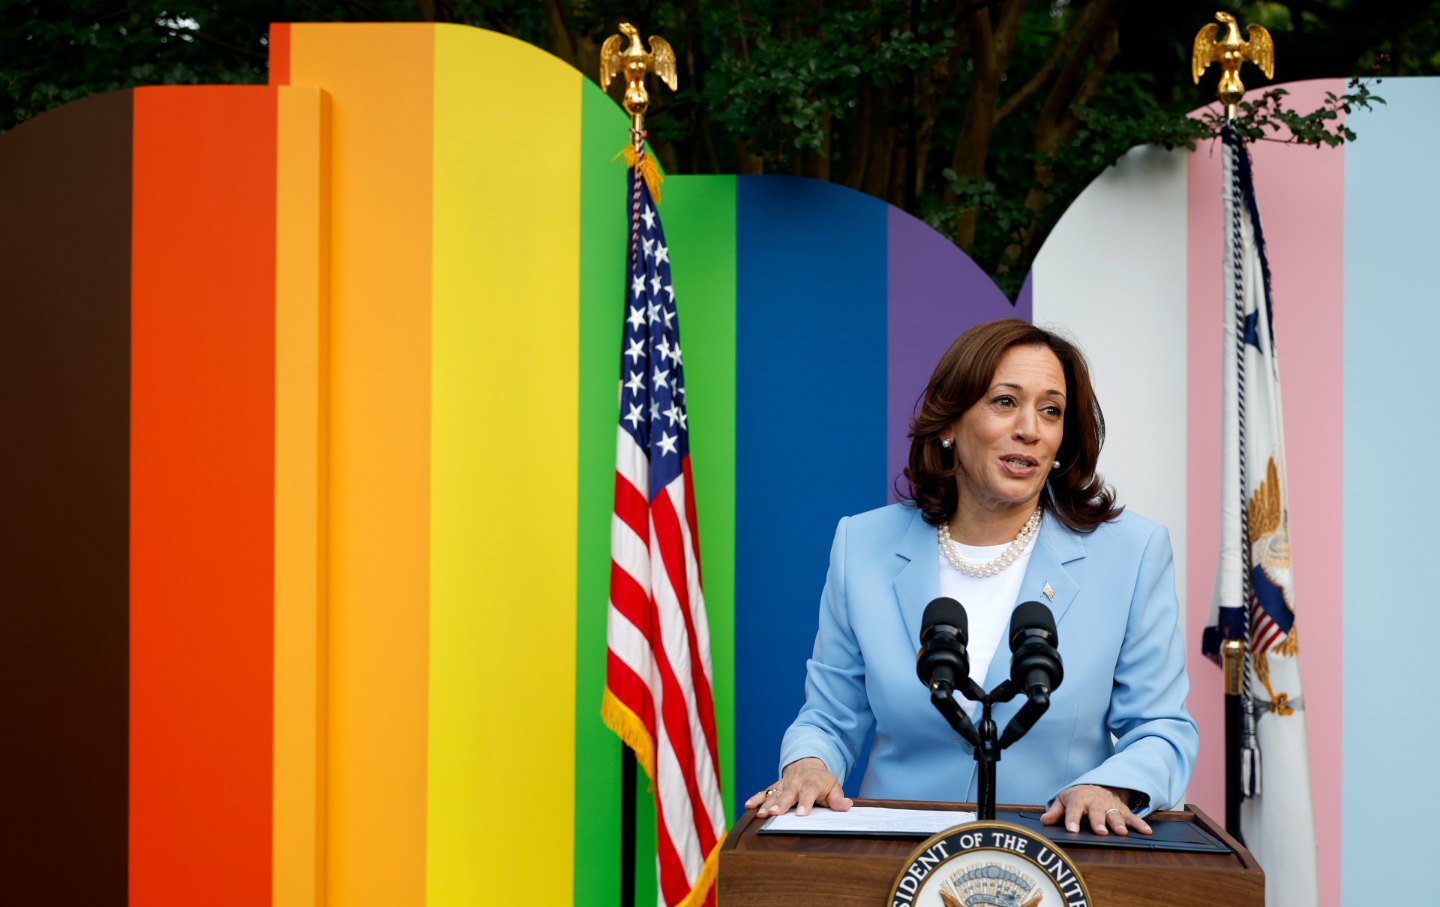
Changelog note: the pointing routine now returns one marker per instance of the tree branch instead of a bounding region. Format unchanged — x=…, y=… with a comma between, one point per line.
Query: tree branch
x=931, y=98
x=1094, y=22
x=199, y=35
x=991, y=46
x=1058, y=121
x=1042, y=75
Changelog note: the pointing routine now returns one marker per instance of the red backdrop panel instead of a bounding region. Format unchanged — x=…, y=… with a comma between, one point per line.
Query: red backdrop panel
x=201, y=484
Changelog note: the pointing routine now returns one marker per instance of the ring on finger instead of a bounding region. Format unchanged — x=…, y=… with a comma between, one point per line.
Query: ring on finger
x=773, y=791
x=1115, y=809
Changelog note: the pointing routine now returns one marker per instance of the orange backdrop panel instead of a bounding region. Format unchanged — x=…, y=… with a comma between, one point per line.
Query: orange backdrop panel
x=302, y=343
x=381, y=81
x=202, y=501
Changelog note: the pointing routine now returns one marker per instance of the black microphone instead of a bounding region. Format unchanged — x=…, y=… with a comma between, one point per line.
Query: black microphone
x=944, y=633
x=1035, y=665
x=943, y=664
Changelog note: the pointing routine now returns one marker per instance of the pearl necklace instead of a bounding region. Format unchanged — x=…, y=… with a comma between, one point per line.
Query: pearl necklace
x=991, y=567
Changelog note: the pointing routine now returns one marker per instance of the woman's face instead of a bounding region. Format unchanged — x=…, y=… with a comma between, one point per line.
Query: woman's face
x=1005, y=444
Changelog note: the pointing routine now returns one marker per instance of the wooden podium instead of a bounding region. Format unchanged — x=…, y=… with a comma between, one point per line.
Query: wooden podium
x=761, y=870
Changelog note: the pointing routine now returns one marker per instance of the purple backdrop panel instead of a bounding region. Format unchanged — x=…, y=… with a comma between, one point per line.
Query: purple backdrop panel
x=1023, y=307
x=936, y=293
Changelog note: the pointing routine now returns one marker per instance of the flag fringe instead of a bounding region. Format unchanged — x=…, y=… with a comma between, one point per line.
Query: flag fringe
x=631, y=730
x=697, y=894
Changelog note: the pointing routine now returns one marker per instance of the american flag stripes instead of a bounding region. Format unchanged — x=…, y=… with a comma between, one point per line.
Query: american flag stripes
x=658, y=679
x=1253, y=599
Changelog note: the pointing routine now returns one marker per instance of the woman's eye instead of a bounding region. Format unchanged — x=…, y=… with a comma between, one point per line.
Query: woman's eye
x=1054, y=412
x=1004, y=401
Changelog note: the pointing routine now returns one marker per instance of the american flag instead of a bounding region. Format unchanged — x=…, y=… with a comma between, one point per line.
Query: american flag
x=658, y=679
x=1254, y=597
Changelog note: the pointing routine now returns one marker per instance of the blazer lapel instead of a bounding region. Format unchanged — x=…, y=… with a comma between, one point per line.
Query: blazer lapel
x=918, y=582
x=1055, y=547
x=916, y=585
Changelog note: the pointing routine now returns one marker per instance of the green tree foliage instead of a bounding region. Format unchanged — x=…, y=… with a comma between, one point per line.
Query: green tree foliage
x=984, y=117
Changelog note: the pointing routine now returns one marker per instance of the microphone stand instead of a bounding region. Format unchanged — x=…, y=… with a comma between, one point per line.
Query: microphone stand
x=986, y=742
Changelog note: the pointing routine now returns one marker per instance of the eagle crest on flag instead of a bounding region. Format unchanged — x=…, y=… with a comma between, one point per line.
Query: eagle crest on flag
x=1270, y=555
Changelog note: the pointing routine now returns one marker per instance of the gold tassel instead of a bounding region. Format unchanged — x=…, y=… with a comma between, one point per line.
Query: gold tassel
x=649, y=170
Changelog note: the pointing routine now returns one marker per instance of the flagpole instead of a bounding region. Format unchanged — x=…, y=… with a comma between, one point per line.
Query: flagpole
x=628, y=787
x=1229, y=50
x=1234, y=664
x=636, y=160
x=614, y=62
x=1233, y=653
x=627, y=825
x=659, y=688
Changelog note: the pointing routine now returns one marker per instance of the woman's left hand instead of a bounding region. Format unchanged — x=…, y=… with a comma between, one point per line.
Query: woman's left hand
x=1103, y=807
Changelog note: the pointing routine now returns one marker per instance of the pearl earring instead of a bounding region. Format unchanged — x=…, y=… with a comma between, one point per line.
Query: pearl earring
x=947, y=453
x=1056, y=464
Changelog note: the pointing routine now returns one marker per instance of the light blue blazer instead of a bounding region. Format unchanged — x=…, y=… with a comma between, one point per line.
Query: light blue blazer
x=1118, y=621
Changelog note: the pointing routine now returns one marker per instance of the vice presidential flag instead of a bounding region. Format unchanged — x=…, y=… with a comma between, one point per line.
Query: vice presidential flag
x=1254, y=594
x=658, y=676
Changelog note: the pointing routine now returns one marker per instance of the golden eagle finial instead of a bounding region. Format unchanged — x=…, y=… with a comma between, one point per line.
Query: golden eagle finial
x=1230, y=52
x=634, y=61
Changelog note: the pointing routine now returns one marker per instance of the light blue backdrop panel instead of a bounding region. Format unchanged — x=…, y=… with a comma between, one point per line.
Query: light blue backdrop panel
x=1391, y=438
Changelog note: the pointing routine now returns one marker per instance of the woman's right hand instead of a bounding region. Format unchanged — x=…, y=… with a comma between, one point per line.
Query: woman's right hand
x=802, y=784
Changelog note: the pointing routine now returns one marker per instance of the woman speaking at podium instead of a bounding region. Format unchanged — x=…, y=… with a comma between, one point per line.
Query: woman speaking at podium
x=1005, y=507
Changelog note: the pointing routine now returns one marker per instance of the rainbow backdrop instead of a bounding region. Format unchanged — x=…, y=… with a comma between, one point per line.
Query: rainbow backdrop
x=308, y=557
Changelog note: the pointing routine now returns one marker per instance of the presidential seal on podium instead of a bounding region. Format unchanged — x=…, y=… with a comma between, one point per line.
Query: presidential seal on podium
x=988, y=864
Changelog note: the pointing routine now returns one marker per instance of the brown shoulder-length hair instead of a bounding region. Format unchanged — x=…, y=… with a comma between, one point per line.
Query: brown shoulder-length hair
x=1074, y=493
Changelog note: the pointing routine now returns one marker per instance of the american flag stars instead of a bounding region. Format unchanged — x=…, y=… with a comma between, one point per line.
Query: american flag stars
x=653, y=391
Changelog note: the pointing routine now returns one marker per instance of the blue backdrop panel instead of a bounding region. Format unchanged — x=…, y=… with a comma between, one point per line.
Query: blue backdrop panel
x=811, y=351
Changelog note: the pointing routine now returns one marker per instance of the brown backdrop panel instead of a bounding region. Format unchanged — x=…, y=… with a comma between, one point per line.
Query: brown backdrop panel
x=64, y=524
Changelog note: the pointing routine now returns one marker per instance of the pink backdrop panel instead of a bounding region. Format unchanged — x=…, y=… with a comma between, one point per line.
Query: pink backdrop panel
x=1301, y=196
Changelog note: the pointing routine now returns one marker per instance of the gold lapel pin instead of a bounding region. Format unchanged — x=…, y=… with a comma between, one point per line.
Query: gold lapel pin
x=1049, y=591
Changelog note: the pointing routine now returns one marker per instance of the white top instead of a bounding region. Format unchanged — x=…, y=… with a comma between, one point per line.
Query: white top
x=988, y=602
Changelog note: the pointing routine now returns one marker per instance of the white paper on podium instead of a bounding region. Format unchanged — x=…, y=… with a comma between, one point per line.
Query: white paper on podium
x=867, y=820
